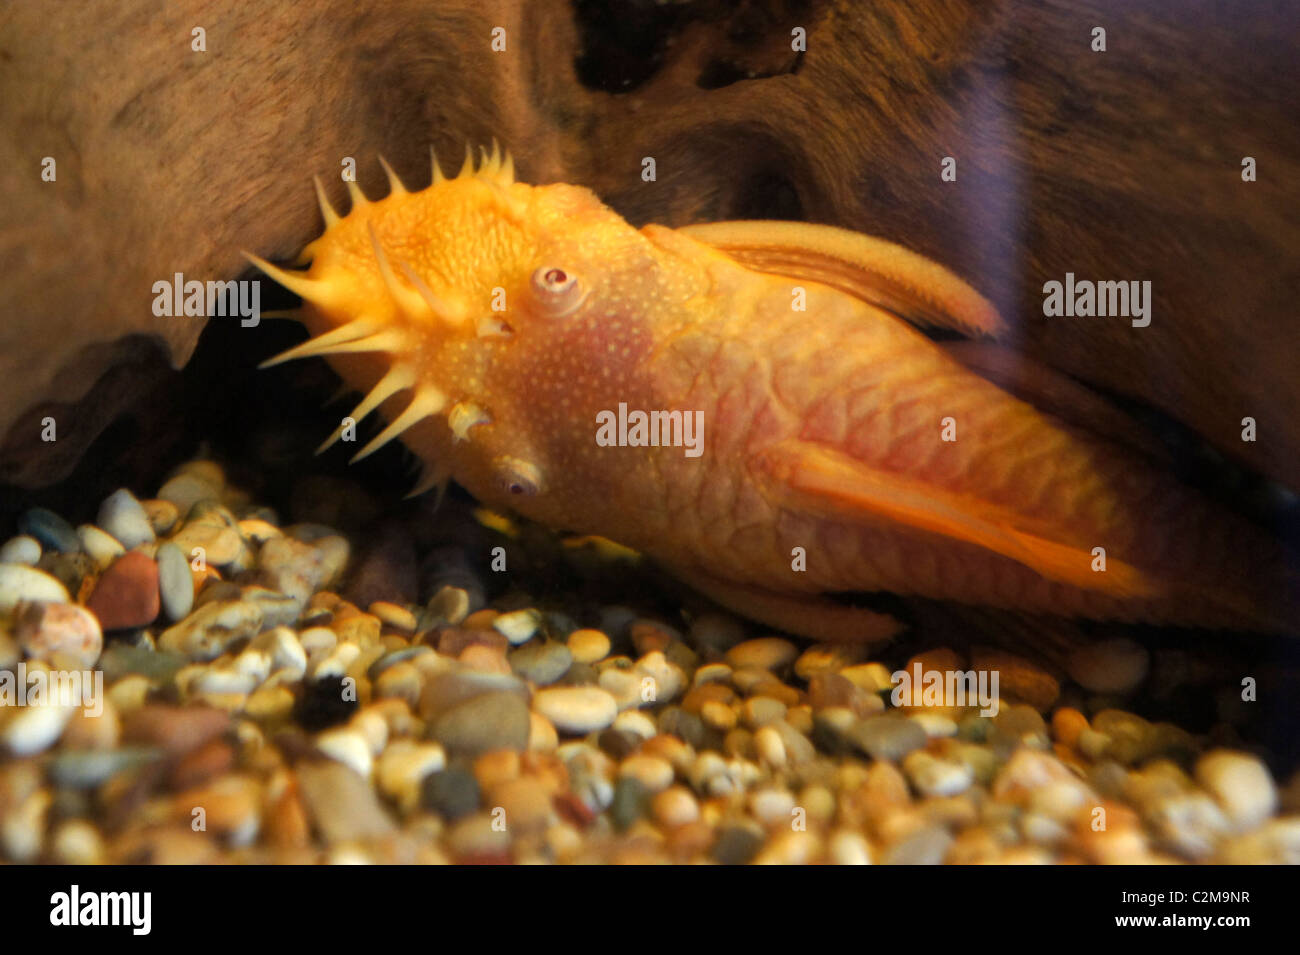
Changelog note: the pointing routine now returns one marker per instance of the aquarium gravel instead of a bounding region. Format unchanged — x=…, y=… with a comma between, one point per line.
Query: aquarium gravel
x=257, y=691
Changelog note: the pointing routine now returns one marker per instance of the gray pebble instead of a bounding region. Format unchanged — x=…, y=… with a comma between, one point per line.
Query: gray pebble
x=926, y=846
x=543, y=661
x=87, y=768
x=888, y=737
x=737, y=844
x=452, y=793
x=122, y=516
x=121, y=660
x=175, y=583
x=496, y=720
x=50, y=529
x=631, y=799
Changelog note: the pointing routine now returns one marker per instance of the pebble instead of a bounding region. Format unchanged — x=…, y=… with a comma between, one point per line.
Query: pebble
x=205, y=633
x=23, y=549
x=20, y=582
x=926, y=846
x=163, y=515
x=518, y=626
x=849, y=848
x=214, y=536
x=576, y=709
x=77, y=842
x=767, y=653
x=127, y=593
x=34, y=728
x=1188, y=823
x=122, y=516
x=488, y=721
x=343, y=804
x=185, y=490
x=772, y=806
x=348, y=747
x=636, y=723
x=450, y=605
x=541, y=661
x=675, y=806
x=50, y=529
x=653, y=772
x=717, y=631
x=588, y=646
x=392, y=615
x=1241, y=784
x=88, y=768
x=175, y=582
x=630, y=802
x=937, y=776
x=738, y=843
x=44, y=629
x=1019, y=679
x=300, y=568
x=452, y=793
x=102, y=547
x=887, y=737
x=1115, y=666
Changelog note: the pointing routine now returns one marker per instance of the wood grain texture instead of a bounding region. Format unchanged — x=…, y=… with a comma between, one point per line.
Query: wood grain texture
x=1116, y=165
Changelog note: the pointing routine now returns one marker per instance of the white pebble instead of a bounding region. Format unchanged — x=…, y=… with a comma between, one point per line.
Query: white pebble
x=122, y=516
x=1241, y=784
x=20, y=582
x=103, y=548
x=348, y=747
x=20, y=550
x=576, y=709
x=637, y=723
x=518, y=626
x=849, y=848
x=33, y=729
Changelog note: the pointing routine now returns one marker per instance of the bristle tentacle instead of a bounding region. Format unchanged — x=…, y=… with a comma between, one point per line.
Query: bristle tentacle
x=395, y=185
x=428, y=401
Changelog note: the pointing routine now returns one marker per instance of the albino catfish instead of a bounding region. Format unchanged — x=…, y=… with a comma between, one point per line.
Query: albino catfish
x=752, y=405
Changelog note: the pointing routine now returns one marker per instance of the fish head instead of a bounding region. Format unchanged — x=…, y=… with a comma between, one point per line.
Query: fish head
x=488, y=319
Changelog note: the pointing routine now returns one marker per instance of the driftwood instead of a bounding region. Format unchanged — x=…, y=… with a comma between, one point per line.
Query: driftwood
x=1122, y=165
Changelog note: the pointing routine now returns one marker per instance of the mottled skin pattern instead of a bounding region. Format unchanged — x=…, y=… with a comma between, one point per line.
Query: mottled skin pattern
x=660, y=321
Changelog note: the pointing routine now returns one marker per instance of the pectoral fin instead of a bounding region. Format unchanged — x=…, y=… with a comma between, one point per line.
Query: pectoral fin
x=819, y=480
x=886, y=275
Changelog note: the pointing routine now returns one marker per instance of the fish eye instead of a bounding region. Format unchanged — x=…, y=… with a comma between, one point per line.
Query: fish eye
x=557, y=289
x=518, y=477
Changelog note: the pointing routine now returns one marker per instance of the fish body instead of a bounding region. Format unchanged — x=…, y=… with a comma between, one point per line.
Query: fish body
x=753, y=406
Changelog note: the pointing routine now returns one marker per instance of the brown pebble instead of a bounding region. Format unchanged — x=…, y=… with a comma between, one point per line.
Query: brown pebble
x=175, y=729
x=200, y=765
x=1019, y=680
x=1067, y=724
x=452, y=641
x=480, y=619
x=127, y=593
x=497, y=767
x=484, y=659
x=45, y=628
